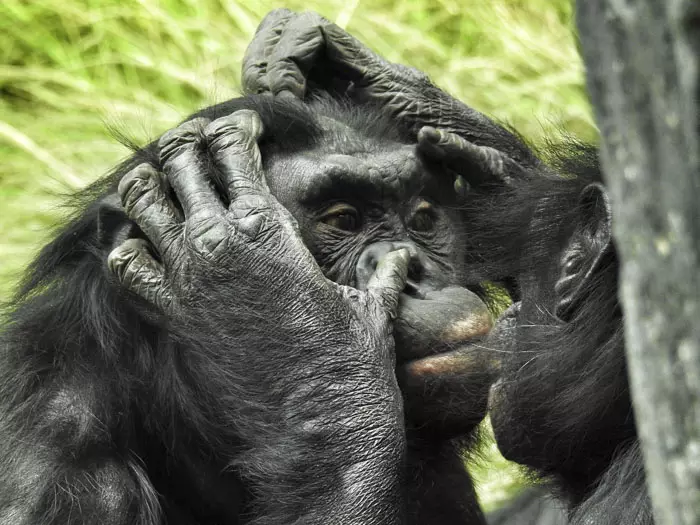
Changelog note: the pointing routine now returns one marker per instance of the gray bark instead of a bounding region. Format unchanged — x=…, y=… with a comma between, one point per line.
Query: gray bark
x=642, y=59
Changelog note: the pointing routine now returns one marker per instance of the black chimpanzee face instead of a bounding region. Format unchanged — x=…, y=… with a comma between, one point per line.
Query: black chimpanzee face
x=357, y=198
x=355, y=202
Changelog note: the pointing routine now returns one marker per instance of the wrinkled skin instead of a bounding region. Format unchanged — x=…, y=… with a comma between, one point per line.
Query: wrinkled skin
x=188, y=386
x=397, y=201
x=208, y=242
x=435, y=315
x=298, y=55
x=254, y=389
x=562, y=407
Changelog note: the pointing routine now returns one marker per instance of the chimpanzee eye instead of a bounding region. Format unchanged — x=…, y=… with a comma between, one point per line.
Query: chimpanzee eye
x=423, y=219
x=341, y=216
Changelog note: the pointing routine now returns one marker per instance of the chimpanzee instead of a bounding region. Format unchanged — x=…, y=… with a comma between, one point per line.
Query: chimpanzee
x=562, y=405
x=209, y=339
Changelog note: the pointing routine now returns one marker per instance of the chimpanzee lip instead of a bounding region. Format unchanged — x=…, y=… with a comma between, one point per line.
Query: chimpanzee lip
x=467, y=358
x=462, y=327
x=450, y=347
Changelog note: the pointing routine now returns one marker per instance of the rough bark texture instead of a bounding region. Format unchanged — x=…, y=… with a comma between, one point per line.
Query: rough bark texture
x=643, y=58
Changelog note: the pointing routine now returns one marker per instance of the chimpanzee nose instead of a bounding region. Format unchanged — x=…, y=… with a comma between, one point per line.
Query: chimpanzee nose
x=419, y=278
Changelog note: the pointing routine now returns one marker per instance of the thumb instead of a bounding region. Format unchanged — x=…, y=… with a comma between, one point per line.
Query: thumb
x=389, y=279
x=138, y=271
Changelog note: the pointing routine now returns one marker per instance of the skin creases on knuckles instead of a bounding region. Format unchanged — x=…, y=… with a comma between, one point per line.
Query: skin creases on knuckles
x=445, y=317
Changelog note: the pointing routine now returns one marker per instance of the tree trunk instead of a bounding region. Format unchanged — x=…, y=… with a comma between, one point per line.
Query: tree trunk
x=642, y=61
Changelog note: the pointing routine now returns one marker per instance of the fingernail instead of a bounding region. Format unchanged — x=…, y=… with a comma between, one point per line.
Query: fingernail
x=430, y=134
x=461, y=186
x=287, y=94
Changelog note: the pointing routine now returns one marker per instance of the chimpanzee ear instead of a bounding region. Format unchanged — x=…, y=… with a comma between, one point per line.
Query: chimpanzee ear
x=591, y=240
x=113, y=225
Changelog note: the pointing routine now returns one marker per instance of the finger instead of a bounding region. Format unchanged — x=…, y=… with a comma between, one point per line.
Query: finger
x=185, y=171
x=139, y=272
x=147, y=204
x=351, y=56
x=463, y=156
x=233, y=144
x=255, y=60
x=299, y=47
x=389, y=279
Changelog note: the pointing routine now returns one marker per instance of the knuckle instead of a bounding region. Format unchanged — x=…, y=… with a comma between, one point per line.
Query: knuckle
x=250, y=202
x=240, y=127
x=211, y=237
x=286, y=76
x=137, y=183
x=255, y=227
x=253, y=80
x=276, y=15
x=185, y=134
x=122, y=257
x=258, y=66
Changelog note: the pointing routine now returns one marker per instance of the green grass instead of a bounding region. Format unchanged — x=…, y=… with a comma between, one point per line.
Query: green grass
x=69, y=69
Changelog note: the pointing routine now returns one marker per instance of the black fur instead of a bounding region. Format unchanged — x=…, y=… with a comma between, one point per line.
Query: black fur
x=563, y=406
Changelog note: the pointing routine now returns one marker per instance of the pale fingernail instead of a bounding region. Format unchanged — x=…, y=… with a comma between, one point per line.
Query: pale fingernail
x=461, y=186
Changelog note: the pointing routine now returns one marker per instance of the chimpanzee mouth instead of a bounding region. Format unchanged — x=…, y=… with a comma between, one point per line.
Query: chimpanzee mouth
x=422, y=342
x=450, y=355
x=413, y=289
x=440, y=330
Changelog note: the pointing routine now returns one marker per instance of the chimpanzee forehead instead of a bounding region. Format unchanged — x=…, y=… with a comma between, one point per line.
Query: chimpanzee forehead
x=339, y=137
x=391, y=172
x=341, y=150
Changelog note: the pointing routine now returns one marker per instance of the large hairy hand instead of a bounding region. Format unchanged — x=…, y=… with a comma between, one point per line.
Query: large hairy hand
x=291, y=53
x=240, y=242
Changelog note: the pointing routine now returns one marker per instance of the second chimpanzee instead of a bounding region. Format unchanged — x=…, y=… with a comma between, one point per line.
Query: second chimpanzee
x=562, y=405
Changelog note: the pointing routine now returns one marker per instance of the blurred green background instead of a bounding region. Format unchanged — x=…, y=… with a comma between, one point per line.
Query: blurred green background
x=71, y=70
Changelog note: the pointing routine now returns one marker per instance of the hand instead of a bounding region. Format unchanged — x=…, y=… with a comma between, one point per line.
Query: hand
x=491, y=186
x=210, y=247
x=292, y=54
x=287, y=46
x=472, y=165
